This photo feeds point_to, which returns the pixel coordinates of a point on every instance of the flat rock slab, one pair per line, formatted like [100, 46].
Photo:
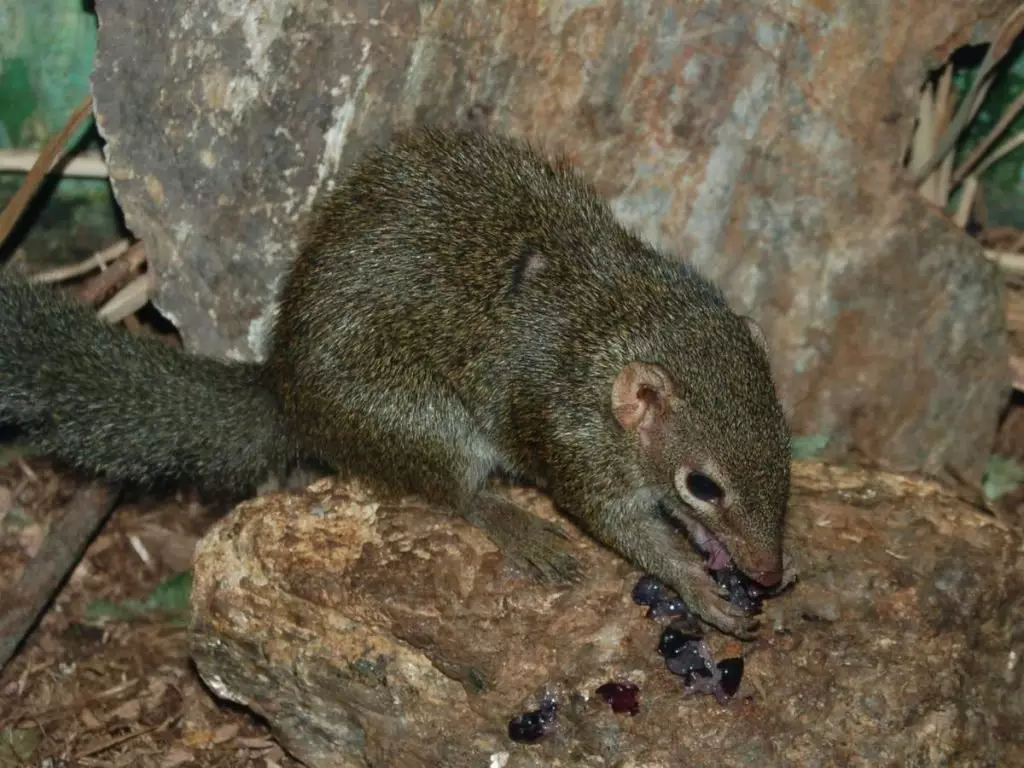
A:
[373, 633]
[760, 139]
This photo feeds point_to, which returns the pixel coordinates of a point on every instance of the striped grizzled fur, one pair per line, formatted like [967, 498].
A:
[460, 307]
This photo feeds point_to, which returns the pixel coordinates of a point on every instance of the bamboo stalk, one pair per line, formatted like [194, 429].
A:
[88, 165]
[963, 211]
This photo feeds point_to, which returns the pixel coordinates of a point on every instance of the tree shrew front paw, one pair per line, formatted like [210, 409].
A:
[703, 596]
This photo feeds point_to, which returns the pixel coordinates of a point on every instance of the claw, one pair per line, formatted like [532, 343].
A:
[704, 598]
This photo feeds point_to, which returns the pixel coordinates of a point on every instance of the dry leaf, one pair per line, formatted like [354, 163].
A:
[225, 733]
[254, 742]
[198, 738]
[81, 572]
[102, 543]
[171, 548]
[89, 720]
[130, 710]
[31, 539]
[6, 500]
[177, 756]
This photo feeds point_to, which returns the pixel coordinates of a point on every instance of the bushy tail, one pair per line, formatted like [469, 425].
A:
[130, 408]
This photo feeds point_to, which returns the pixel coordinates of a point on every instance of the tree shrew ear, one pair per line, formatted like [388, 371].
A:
[640, 394]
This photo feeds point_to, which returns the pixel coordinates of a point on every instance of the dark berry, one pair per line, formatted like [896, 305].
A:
[673, 641]
[548, 709]
[648, 591]
[741, 591]
[673, 606]
[732, 672]
[531, 726]
[623, 698]
[528, 727]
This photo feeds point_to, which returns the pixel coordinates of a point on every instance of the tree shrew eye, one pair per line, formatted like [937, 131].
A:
[704, 488]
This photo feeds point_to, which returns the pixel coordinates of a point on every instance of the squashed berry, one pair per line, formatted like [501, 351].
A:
[672, 606]
[648, 591]
[741, 591]
[527, 728]
[533, 726]
[623, 698]
[732, 674]
[662, 601]
[673, 641]
[689, 661]
[548, 708]
[685, 652]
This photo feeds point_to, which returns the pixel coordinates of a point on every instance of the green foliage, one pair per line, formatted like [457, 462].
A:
[1002, 476]
[170, 598]
[46, 55]
[1004, 179]
[808, 446]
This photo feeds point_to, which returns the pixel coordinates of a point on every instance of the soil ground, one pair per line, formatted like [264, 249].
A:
[98, 684]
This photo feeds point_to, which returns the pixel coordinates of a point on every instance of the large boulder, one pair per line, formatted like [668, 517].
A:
[759, 139]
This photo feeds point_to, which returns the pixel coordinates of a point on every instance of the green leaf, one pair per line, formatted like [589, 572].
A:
[1002, 475]
[1004, 179]
[170, 598]
[808, 446]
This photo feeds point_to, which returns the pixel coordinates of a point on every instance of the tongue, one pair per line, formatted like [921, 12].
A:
[718, 556]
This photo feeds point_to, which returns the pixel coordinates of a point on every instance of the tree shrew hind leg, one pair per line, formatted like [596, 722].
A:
[535, 544]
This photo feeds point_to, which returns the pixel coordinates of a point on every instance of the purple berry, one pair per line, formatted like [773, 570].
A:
[648, 591]
[548, 708]
[672, 642]
[623, 698]
[741, 591]
[689, 661]
[527, 728]
[672, 606]
[533, 726]
[663, 601]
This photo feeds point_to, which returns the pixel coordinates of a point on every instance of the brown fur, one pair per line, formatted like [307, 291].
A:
[462, 307]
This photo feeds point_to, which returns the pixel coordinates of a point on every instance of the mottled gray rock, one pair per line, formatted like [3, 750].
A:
[389, 634]
[761, 139]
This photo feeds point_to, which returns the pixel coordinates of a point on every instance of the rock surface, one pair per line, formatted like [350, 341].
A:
[761, 139]
[384, 634]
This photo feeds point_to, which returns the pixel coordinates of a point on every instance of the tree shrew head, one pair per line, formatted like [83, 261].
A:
[709, 427]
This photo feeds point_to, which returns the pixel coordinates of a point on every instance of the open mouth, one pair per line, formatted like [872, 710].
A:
[707, 543]
[718, 556]
[734, 585]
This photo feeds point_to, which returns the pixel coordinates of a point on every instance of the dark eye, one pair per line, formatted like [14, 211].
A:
[704, 488]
